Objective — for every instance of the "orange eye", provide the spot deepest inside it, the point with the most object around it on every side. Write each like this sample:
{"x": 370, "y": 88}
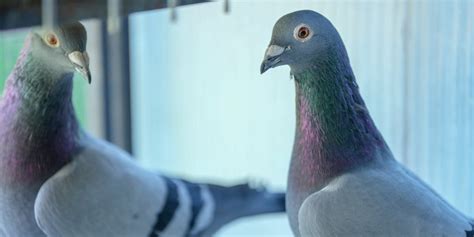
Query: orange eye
{"x": 52, "y": 40}
{"x": 303, "y": 32}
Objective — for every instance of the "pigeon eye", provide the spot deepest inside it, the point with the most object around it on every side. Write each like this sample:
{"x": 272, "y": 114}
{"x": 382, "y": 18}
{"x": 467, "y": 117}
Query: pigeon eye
{"x": 51, "y": 40}
{"x": 302, "y": 33}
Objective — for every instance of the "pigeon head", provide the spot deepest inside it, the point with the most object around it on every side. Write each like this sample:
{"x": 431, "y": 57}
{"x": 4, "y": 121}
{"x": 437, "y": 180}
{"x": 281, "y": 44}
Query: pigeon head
{"x": 300, "y": 39}
{"x": 64, "y": 48}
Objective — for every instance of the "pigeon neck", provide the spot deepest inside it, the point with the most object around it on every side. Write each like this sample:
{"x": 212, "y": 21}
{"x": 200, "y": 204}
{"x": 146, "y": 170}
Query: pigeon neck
{"x": 39, "y": 129}
{"x": 334, "y": 131}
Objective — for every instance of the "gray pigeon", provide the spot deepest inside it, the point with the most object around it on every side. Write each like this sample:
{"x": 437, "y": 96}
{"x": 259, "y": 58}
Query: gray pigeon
{"x": 55, "y": 180}
{"x": 343, "y": 178}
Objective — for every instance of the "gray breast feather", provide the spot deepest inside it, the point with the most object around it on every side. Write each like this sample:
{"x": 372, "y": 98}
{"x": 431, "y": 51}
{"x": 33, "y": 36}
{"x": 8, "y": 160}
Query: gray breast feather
{"x": 382, "y": 201}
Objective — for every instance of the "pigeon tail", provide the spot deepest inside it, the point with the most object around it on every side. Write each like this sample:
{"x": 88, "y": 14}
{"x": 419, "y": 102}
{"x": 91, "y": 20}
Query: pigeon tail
{"x": 204, "y": 208}
{"x": 242, "y": 200}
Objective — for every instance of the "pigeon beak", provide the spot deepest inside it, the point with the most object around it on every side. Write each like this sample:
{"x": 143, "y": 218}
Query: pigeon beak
{"x": 81, "y": 64}
{"x": 272, "y": 57}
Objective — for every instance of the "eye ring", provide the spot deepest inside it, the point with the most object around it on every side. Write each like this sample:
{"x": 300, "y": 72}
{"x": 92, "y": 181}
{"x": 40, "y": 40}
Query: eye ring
{"x": 51, "y": 40}
{"x": 302, "y": 33}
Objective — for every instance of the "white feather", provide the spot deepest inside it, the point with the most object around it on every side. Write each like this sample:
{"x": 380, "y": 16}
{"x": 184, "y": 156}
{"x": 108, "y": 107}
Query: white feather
{"x": 206, "y": 215}
{"x": 182, "y": 216}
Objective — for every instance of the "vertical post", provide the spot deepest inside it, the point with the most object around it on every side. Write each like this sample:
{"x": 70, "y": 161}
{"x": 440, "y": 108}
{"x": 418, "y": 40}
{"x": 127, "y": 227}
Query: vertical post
{"x": 118, "y": 129}
{"x": 49, "y": 13}
{"x": 406, "y": 35}
{"x": 172, "y": 4}
{"x": 226, "y": 6}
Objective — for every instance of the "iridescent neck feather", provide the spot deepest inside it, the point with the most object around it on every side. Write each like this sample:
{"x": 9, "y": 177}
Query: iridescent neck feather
{"x": 39, "y": 130}
{"x": 334, "y": 131}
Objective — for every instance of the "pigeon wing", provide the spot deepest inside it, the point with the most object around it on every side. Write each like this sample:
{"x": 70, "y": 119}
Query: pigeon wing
{"x": 104, "y": 193}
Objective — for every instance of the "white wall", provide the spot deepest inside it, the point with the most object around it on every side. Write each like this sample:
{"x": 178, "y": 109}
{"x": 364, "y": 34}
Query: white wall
{"x": 202, "y": 110}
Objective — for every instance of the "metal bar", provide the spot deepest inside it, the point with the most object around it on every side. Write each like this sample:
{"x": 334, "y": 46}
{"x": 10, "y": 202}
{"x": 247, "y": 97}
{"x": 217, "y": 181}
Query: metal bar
{"x": 118, "y": 129}
{"x": 226, "y": 6}
{"x": 27, "y": 13}
{"x": 49, "y": 13}
{"x": 172, "y": 4}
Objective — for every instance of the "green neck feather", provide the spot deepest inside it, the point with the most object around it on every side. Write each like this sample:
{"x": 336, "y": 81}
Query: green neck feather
{"x": 334, "y": 131}
{"x": 39, "y": 129}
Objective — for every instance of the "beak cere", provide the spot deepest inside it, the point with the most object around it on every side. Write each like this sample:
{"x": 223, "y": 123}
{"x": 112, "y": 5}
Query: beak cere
{"x": 272, "y": 57}
{"x": 81, "y": 64}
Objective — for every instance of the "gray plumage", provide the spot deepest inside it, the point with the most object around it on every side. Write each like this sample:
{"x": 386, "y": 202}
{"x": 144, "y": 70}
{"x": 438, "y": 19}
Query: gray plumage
{"x": 55, "y": 180}
{"x": 343, "y": 179}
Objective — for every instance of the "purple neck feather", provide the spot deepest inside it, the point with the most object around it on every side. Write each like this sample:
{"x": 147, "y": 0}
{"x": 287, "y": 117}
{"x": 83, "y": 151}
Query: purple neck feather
{"x": 38, "y": 129}
{"x": 334, "y": 131}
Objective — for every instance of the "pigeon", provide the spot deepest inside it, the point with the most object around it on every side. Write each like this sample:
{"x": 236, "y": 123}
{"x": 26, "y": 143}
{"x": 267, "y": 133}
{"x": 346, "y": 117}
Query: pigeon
{"x": 57, "y": 180}
{"x": 343, "y": 179}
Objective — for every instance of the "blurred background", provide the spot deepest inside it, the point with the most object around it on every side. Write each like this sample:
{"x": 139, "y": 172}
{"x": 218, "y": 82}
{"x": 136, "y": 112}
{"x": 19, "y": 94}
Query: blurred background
{"x": 180, "y": 87}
